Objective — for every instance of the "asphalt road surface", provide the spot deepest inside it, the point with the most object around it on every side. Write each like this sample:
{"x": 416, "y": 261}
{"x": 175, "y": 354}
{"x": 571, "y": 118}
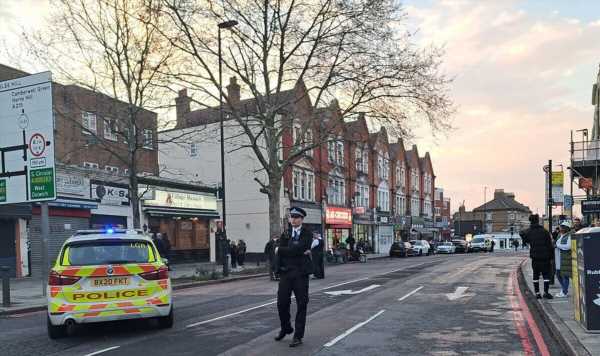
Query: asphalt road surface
{"x": 431, "y": 305}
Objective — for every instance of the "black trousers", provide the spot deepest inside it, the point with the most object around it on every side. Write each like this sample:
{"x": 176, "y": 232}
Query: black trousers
{"x": 541, "y": 267}
{"x": 318, "y": 264}
{"x": 293, "y": 282}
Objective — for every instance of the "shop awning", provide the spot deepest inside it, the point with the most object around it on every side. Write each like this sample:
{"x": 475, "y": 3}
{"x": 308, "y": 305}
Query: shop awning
{"x": 340, "y": 226}
{"x": 182, "y": 213}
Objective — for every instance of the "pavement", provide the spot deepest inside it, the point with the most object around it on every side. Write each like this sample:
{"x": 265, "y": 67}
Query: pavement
{"x": 26, "y": 293}
{"x": 559, "y": 314}
{"x": 464, "y": 304}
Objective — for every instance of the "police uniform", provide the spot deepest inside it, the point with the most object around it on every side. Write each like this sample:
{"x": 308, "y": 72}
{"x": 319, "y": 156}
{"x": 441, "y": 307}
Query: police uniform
{"x": 294, "y": 268}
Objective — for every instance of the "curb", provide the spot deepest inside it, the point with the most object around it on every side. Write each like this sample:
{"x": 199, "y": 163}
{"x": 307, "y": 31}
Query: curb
{"x": 36, "y": 308}
{"x": 567, "y": 341}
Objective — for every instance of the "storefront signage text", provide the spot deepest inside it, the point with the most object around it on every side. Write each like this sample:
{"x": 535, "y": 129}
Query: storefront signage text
{"x": 72, "y": 185}
{"x": 338, "y": 216}
{"x": 183, "y": 200}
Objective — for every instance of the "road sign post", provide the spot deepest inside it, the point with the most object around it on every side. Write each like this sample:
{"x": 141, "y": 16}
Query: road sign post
{"x": 27, "y": 148}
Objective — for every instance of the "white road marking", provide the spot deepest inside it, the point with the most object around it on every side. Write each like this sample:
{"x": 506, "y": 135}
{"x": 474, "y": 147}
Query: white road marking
{"x": 409, "y": 294}
{"x": 351, "y": 292}
{"x": 319, "y": 290}
{"x": 352, "y": 329}
{"x": 228, "y": 315}
{"x": 459, "y": 293}
{"x": 104, "y": 350}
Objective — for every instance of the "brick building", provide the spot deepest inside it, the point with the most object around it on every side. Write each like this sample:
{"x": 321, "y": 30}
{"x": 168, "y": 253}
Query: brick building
{"x": 356, "y": 182}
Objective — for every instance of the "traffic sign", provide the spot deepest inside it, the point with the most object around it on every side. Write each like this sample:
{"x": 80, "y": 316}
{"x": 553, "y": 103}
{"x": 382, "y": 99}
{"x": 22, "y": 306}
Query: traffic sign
{"x": 27, "y": 140}
{"x": 590, "y": 206}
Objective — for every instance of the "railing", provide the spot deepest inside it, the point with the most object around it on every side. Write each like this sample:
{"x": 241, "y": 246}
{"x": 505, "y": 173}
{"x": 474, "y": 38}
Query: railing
{"x": 585, "y": 151}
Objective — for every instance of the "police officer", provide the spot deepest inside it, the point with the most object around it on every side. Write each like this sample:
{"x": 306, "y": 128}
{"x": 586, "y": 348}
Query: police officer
{"x": 541, "y": 253}
{"x": 295, "y": 266}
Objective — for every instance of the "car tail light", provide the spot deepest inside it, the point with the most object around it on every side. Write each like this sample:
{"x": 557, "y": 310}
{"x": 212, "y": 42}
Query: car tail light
{"x": 161, "y": 273}
{"x": 57, "y": 279}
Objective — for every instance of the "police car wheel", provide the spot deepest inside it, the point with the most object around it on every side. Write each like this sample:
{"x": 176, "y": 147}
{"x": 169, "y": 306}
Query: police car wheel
{"x": 166, "y": 322}
{"x": 56, "y": 331}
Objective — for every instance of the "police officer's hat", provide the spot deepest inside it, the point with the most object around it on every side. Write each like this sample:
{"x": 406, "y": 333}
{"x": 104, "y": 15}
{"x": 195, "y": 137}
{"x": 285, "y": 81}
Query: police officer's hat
{"x": 297, "y": 212}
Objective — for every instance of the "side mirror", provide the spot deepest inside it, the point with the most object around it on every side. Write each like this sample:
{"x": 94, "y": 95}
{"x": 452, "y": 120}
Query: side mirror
{"x": 166, "y": 261}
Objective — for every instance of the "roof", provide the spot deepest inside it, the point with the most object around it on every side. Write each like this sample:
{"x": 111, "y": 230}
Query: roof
{"x": 502, "y": 202}
{"x": 92, "y": 235}
{"x": 412, "y": 157}
{"x": 246, "y": 107}
{"x": 397, "y": 149}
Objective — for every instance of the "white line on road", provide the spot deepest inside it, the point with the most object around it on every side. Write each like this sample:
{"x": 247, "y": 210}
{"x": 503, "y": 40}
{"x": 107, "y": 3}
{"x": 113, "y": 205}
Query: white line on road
{"x": 352, "y": 329}
{"x": 409, "y": 294}
{"x": 104, "y": 350}
{"x": 232, "y": 314}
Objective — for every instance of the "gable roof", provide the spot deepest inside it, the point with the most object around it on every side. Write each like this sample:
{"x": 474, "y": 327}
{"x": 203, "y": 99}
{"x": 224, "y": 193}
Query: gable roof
{"x": 412, "y": 157}
{"x": 397, "y": 150}
{"x": 503, "y": 201}
{"x": 425, "y": 163}
{"x": 357, "y": 130}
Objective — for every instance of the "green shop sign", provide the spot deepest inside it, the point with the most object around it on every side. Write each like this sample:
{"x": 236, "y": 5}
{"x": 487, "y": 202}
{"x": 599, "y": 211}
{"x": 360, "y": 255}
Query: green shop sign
{"x": 41, "y": 183}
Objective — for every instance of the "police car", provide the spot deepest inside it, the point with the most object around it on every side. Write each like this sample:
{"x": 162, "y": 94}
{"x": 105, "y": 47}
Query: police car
{"x": 107, "y": 275}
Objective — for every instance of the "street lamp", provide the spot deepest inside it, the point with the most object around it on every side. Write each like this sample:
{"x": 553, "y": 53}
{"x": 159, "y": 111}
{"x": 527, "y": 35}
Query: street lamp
{"x": 223, "y": 25}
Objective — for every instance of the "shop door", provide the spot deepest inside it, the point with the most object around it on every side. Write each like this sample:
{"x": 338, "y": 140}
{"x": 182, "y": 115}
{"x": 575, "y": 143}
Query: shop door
{"x": 8, "y": 249}
{"x": 385, "y": 239}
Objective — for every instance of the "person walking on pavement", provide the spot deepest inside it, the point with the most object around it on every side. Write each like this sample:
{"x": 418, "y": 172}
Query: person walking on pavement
{"x": 317, "y": 251}
{"x": 159, "y": 244}
{"x": 166, "y": 244}
{"x": 562, "y": 257}
{"x": 350, "y": 241}
{"x": 541, "y": 253}
{"x": 272, "y": 258}
{"x": 233, "y": 250}
{"x": 241, "y": 253}
{"x": 516, "y": 244}
{"x": 295, "y": 265}
{"x": 492, "y": 244}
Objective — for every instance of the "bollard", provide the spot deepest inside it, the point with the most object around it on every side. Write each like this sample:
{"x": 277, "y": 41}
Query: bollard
{"x": 226, "y": 265}
{"x": 5, "y": 274}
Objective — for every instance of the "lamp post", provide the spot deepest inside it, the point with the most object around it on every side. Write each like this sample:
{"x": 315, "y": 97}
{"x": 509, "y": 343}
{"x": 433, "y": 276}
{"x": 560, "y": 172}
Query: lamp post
{"x": 485, "y": 210}
{"x": 223, "y": 25}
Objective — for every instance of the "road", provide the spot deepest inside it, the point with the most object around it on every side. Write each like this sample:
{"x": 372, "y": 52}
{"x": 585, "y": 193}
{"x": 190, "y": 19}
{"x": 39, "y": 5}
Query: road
{"x": 430, "y": 305}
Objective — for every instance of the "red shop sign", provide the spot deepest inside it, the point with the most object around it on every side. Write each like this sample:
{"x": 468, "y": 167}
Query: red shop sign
{"x": 338, "y": 216}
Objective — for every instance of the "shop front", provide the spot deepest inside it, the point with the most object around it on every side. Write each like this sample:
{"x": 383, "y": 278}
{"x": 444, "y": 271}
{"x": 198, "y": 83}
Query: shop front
{"x": 184, "y": 216}
{"x": 113, "y": 205}
{"x": 362, "y": 227}
{"x": 338, "y": 224}
{"x": 384, "y": 234}
{"x": 14, "y": 245}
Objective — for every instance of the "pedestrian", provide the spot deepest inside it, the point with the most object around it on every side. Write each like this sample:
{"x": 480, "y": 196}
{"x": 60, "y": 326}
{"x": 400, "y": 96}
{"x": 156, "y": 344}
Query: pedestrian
{"x": 350, "y": 241}
{"x": 541, "y": 253}
{"x": 233, "y": 250}
{"x": 164, "y": 238}
{"x": 317, "y": 252}
{"x": 492, "y": 244}
{"x": 576, "y": 225}
{"x": 159, "y": 244}
{"x": 241, "y": 253}
{"x": 295, "y": 266}
{"x": 516, "y": 244}
{"x": 563, "y": 259}
{"x": 272, "y": 258}
{"x": 555, "y": 233}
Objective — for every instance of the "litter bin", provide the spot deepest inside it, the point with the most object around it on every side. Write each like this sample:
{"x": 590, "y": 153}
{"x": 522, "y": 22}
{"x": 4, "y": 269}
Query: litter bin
{"x": 585, "y": 256}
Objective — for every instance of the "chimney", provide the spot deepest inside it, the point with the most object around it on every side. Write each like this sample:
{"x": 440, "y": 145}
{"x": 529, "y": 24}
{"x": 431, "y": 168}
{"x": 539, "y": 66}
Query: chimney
{"x": 233, "y": 91}
{"x": 498, "y": 193}
{"x": 182, "y": 107}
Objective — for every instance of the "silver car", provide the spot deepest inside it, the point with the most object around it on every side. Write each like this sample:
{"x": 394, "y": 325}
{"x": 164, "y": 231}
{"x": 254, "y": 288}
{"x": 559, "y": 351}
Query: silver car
{"x": 446, "y": 247}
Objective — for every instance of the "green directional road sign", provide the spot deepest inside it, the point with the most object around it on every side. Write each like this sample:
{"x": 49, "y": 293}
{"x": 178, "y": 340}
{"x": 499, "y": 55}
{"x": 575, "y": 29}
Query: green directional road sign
{"x": 2, "y": 190}
{"x": 41, "y": 183}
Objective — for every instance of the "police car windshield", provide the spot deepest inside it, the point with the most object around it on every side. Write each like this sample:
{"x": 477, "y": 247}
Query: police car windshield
{"x": 102, "y": 252}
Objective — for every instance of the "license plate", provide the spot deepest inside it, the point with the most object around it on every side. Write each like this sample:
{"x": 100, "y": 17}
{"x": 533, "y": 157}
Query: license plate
{"x": 110, "y": 282}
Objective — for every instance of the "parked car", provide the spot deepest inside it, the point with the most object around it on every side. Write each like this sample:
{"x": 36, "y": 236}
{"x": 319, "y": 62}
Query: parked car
{"x": 421, "y": 247}
{"x": 477, "y": 244}
{"x": 401, "y": 249}
{"x": 460, "y": 246}
{"x": 446, "y": 247}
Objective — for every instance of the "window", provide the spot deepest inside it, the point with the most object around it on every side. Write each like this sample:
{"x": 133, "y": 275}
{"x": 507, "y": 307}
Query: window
{"x": 402, "y": 175}
{"x": 362, "y": 195}
{"x": 362, "y": 159}
{"x": 383, "y": 199}
{"x": 88, "y": 121}
{"x": 193, "y": 149}
{"x": 488, "y": 216}
{"x": 303, "y": 185}
{"x": 438, "y": 211}
{"x": 303, "y": 142}
{"x": 148, "y": 141}
{"x": 339, "y": 152}
{"x": 414, "y": 180}
{"x": 90, "y": 165}
{"x": 415, "y": 207}
{"x": 331, "y": 151}
{"x": 400, "y": 204}
{"x": 336, "y": 191}
{"x": 126, "y": 171}
{"x": 110, "y": 128}
{"x": 111, "y": 169}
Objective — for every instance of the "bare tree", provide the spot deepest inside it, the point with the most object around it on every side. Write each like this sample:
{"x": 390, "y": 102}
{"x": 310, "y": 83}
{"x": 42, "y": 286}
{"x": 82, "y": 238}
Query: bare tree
{"x": 352, "y": 51}
{"x": 113, "y": 48}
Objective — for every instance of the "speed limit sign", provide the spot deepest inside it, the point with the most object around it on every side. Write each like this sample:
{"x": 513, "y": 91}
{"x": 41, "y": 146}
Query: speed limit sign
{"x": 37, "y": 145}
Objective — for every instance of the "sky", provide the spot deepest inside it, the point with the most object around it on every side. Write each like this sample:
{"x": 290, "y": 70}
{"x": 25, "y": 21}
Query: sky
{"x": 523, "y": 72}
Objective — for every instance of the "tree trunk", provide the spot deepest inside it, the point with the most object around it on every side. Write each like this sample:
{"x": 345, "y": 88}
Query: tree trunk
{"x": 134, "y": 199}
{"x": 274, "y": 207}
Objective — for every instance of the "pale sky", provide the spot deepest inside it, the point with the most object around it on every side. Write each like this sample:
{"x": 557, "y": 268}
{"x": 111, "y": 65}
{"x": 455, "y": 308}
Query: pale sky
{"x": 523, "y": 75}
